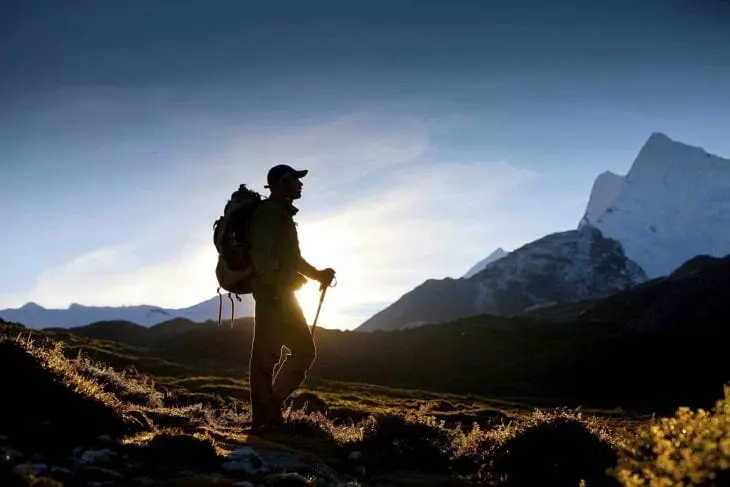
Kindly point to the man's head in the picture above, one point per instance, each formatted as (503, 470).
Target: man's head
(285, 181)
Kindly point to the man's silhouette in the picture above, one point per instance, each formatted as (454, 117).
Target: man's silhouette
(280, 271)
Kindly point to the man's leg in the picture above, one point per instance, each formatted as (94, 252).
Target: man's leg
(265, 352)
(299, 340)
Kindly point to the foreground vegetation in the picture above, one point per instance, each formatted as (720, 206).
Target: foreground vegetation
(361, 434)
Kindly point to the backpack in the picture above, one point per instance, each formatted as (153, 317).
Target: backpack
(234, 269)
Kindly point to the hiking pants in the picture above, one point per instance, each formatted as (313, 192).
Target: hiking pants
(278, 321)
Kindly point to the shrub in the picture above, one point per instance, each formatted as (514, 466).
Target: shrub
(559, 451)
(406, 441)
(690, 448)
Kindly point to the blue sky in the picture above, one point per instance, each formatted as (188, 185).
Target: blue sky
(434, 132)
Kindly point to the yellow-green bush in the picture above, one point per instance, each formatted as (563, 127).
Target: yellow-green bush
(690, 448)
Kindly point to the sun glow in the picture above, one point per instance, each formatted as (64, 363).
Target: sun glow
(326, 244)
(308, 297)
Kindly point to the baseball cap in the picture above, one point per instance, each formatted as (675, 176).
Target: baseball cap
(277, 172)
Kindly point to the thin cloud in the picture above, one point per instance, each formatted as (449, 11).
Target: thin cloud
(336, 153)
(129, 275)
(378, 208)
(409, 230)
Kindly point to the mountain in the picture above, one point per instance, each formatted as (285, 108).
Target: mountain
(36, 316)
(696, 290)
(673, 204)
(481, 265)
(561, 267)
(114, 330)
(131, 333)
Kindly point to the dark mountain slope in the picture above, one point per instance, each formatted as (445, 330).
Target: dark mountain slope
(562, 267)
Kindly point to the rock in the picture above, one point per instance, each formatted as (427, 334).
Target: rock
(99, 474)
(36, 468)
(45, 482)
(105, 438)
(183, 450)
(355, 456)
(280, 460)
(10, 455)
(245, 459)
(287, 480)
(243, 484)
(96, 456)
(61, 474)
(35, 457)
(144, 481)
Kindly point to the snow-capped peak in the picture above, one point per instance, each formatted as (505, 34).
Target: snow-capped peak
(605, 189)
(662, 157)
(482, 264)
(673, 204)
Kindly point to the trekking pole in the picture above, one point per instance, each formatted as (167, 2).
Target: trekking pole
(319, 307)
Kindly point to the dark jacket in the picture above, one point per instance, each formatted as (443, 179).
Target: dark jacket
(275, 253)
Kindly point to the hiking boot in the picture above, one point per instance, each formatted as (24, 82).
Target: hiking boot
(273, 420)
(267, 427)
(274, 413)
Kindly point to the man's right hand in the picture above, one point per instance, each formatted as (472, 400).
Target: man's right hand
(325, 277)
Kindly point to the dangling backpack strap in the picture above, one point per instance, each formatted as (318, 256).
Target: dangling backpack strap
(220, 306)
(232, 305)
(238, 298)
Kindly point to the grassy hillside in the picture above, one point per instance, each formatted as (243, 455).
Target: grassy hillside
(596, 364)
(76, 420)
(447, 404)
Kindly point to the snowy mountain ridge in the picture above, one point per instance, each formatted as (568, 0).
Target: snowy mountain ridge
(481, 265)
(35, 316)
(673, 204)
(560, 267)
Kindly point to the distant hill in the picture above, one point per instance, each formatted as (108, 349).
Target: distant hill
(132, 333)
(115, 330)
(35, 316)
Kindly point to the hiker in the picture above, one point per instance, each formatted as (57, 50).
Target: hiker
(280, 270)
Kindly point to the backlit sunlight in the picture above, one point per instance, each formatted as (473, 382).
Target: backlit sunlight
(324, 245)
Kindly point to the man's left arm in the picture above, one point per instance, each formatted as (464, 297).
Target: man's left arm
(307, 269)
(324, 276)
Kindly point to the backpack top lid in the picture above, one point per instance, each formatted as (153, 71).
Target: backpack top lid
(241, 197)
(236, 215)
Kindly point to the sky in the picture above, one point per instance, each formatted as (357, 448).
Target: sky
(434, 132)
